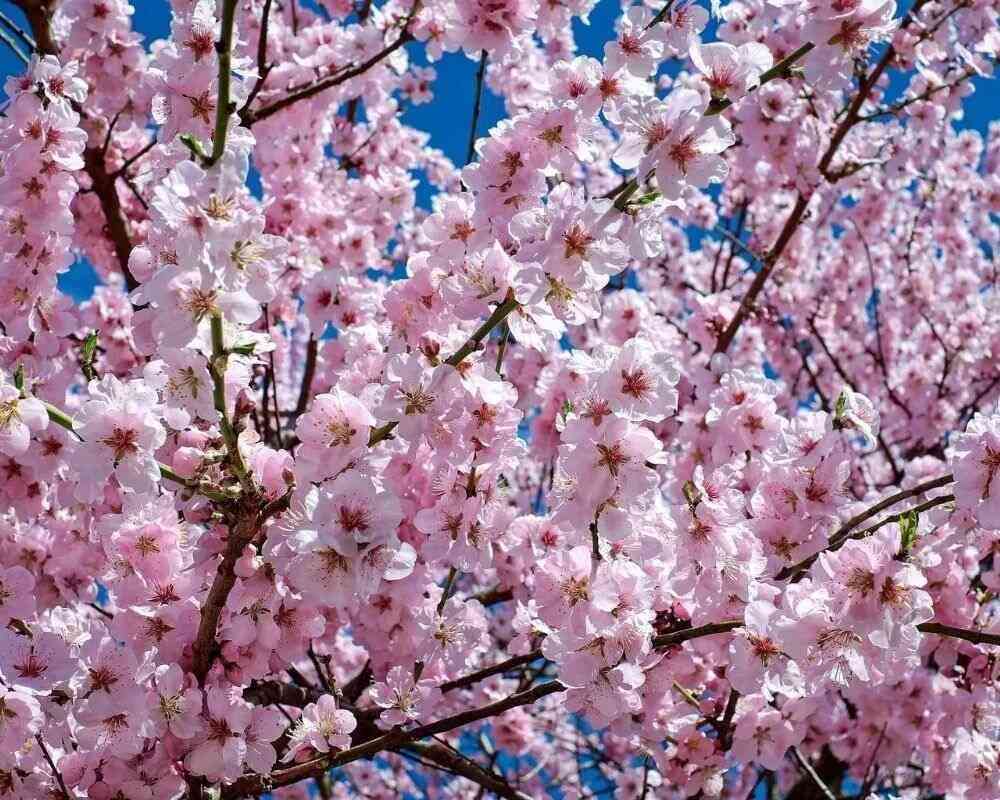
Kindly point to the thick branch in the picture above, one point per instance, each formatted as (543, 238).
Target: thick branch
(973, 636)
(39, 16)
(252, 785)
(103, 184)
(267, 693)
(250, 517)
(312, 350)
(686, 634)
(769, 262)
(492, 597)
(205, 648)
(488, 780)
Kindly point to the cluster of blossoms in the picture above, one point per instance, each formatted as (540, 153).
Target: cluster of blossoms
(658, 457)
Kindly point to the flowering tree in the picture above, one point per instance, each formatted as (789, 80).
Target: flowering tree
(657, 459)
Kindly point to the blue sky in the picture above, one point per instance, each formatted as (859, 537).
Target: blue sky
(448, 116)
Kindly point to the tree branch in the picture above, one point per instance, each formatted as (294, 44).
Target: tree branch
(263, 68)
(39, 16)
(103, 184)
(224, 107)
(499, 314)
(844, 531)
(252, 785)
(481, 72)
(801, 203)
(783, 69)
(973, 636)
(250, 515)
(217, 368)
(249, 117)
(56, 774)
(487, 672)
(807, 768)
(312, 350)
(466, 768)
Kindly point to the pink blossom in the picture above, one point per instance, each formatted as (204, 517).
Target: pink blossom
(122, 433)
(39, 661)
(222, 747)
(19, 418)
(404, 699)
(114, 724)
(976, 462)
(323, 727)
(177, 707)
(333, 432)
(676, 141)
(16, 598)
(21, 718)
(636, 48)
(730, 71)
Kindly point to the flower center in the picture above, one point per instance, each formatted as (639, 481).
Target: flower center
(123, 442)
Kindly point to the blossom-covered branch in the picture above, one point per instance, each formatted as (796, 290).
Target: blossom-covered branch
(643, 444)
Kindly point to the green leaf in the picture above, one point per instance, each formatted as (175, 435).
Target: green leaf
(841, 407)
(19, 378)
(192, 144)
(692, 495)
(567, 409)
(908, 523)
(88, 353)
(244, 349)
(646, 199)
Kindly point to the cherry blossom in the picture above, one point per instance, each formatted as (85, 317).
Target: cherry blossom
(977, 469)
(121, 431)
(403, 699)
(644, 443)
(322, 728)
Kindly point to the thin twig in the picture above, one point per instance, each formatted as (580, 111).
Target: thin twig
(52, 765)
(7, 40)
(471, 151)
(18, 31)
(263, 68)
(844, 532)
(249, 117)
(312, 350)
(807, 768)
